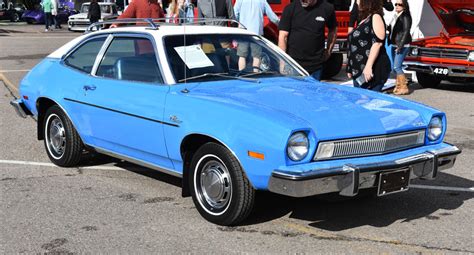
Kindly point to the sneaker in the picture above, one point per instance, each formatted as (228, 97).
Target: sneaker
(46, 30)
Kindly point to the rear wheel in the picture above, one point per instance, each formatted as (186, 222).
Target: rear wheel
(63, 144)
(220, 190)
(427, 80)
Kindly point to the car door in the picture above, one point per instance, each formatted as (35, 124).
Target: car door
(79, 62)
(124, 102)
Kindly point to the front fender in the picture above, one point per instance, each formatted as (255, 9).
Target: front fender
(239, 128)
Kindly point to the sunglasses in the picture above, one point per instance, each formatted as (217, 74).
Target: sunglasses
(397, 4)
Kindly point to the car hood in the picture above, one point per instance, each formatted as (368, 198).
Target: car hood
(84, 15)
(332, 111)
(464, 41)
(79, 16)
(457, 16)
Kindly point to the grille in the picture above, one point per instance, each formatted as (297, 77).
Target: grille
(443, 53)
(373, 145)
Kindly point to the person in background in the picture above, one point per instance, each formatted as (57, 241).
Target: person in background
(94, 12)
(354, 18)
(302, 33)
(142, 9)
(400, 38)
(250, 14)
(368, 64)
(216, 9)
(47, 9)
(54, 13)
(179, 11)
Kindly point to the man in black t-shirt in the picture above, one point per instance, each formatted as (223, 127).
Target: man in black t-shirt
(302, 33)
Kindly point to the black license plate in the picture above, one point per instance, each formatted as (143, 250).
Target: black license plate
(393, 182)
(441, 71)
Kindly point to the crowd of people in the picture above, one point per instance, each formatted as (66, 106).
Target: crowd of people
(375, 48)
(368, 62)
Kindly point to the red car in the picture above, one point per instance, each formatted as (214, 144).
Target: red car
(449, 56)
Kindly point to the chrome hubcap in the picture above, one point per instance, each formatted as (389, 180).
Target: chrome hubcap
(215, 184)
(57, 136)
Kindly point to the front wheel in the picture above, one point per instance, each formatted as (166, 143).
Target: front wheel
(63, 144)
(427, 80)
(221, 192)
(15, 17)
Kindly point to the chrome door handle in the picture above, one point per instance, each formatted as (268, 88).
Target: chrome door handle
(89, 87)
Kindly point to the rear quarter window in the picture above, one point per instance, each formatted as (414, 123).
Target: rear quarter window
(84, 56)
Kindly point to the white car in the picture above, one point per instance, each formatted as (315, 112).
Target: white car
(80, 22)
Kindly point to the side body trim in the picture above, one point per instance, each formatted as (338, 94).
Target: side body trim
(126, 113)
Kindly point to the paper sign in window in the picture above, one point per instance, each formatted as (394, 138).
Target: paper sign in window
(193, 56)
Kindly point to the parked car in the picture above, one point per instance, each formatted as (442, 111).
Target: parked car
(12, 13)
(37, 16)
(174, 99)
(449, 56)
(80, 22)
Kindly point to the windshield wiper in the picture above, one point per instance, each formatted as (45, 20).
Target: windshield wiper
(223, 75)
(300, 78)
(259, 73)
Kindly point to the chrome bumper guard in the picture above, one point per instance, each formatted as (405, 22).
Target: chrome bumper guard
(20, 108)
(348, 179)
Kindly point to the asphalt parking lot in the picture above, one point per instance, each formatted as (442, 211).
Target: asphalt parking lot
(112, 206)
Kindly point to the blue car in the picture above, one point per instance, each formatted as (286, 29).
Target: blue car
(228, 112)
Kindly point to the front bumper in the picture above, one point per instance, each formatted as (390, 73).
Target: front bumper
(347, 178)
(78, 25)
(453, 70)
(20, 108)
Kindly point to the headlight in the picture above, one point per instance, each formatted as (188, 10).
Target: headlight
(414, 51)
(435, 128)
(471, 56)
(298, 146)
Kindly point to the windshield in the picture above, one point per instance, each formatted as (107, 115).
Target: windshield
(198, 57)
(103, 8)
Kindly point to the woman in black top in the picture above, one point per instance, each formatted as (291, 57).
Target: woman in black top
(368, 63)
(387, 5)
(400, 38)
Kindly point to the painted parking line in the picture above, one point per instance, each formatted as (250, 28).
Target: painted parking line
(8, 83)
(114, 168)
(14, 71)
(32, 163)
(442, 188)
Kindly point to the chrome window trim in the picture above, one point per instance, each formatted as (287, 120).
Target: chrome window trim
(101, 54)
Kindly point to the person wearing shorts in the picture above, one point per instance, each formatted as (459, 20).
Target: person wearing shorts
(250, 13)
(243, 49)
